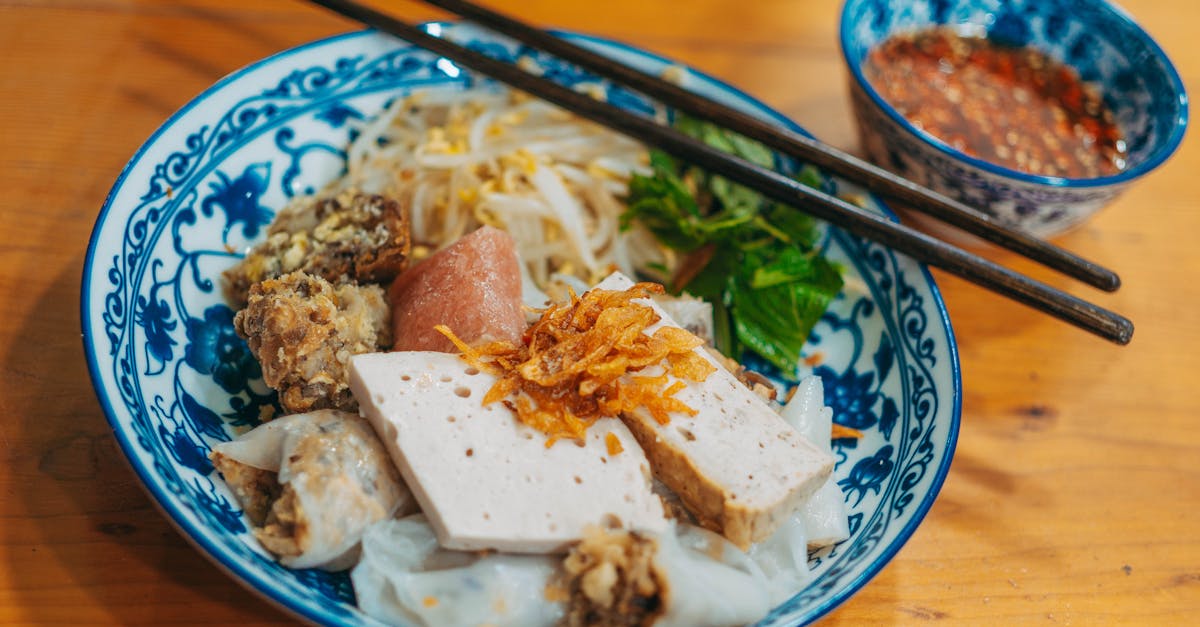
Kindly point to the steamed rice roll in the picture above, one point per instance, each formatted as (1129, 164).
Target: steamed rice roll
(310, 484)
(687, 576)
(824, 513)
(404, 577)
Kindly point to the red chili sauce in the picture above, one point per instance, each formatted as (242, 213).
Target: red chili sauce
(1015, 107)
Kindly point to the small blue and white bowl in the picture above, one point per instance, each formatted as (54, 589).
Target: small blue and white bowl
(1099, 40)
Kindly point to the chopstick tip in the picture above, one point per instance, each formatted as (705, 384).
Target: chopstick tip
(1124, 332)
(1109, 281)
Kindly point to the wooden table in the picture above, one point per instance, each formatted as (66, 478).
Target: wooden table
(1074, 493)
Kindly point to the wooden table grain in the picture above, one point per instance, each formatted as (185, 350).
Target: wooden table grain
(1074, 496)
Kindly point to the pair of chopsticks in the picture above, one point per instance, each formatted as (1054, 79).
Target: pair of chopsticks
(850, 218)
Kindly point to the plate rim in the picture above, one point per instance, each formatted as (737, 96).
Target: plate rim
(260, 585)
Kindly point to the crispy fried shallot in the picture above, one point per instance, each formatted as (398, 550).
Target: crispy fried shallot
(589, 359)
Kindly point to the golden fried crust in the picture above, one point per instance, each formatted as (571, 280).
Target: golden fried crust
(278, 519)
(351, 237)
(613, 580)
(255, 489)
(303, 330)
(285, 530)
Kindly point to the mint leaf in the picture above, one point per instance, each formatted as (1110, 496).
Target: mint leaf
(766, 280)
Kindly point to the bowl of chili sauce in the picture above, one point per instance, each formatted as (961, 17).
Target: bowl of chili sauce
(1038, 112)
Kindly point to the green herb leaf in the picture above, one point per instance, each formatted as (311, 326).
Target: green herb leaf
(775, 316)
(790, 266)
(766, 281)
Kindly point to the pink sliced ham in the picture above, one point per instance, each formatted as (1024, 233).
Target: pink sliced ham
(473, 286)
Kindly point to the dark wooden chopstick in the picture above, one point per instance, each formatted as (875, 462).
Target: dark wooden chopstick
(797, 145)
(855, 220)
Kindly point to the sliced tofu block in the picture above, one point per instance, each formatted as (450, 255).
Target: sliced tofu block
(736, 465)
(486, 481)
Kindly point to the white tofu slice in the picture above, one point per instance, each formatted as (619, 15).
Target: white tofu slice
(486, 481)
(736, 465)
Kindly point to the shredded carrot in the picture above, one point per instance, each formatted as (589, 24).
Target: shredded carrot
(571, 368)
(841, 432)
(613, 443)
(430, 601)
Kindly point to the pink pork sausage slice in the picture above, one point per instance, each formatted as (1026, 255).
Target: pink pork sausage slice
(472, 286)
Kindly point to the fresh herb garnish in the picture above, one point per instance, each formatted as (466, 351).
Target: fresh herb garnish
(754, 259)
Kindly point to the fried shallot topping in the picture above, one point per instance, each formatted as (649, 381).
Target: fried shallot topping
(578, 363)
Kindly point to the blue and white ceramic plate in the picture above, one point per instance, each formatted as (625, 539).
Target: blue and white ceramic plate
(174, 378)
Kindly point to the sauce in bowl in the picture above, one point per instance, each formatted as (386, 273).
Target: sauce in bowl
(1015, 107)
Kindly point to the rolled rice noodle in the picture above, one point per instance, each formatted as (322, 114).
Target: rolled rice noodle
(711, 581)
(404, 577)
(340, 479)
(824, 514)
